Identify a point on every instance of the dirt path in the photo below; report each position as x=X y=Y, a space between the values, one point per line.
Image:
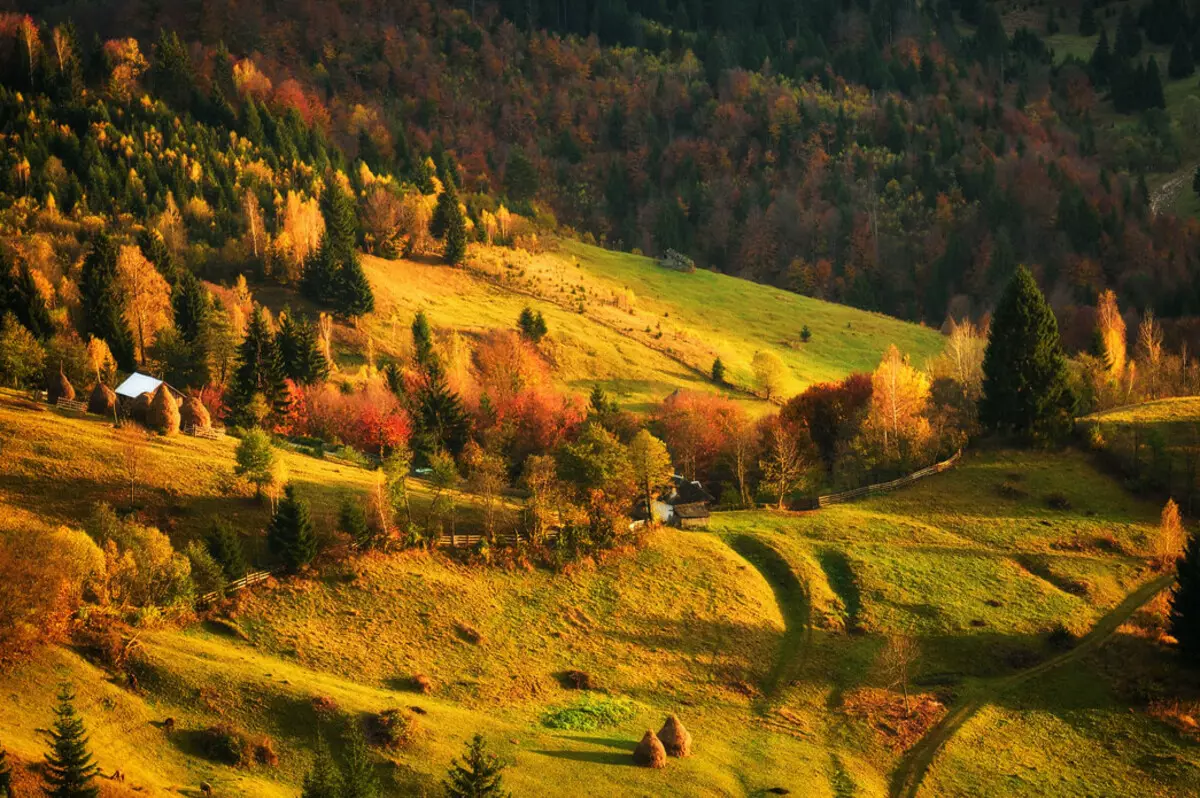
x=906 y=781
x=792 y=597
x=1166 y=193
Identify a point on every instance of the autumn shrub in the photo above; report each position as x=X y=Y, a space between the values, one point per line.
x=392 y=729
x=371 y=420
x=227 y=745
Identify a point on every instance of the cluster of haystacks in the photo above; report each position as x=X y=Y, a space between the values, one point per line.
x=163 y=412
x=103 y=400
x=672 y=740
x=194 y=415
x=58 y=387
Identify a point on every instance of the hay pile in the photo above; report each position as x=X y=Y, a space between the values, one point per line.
x=650 y=752
x=675 y=739
x=58 y=387
x=139 y=409
x=193 y=413
x=163 y=413
x=103 y=400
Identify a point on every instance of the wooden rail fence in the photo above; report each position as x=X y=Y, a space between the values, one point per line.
x=249 y=580
x=208 y=433
x=884 y=487
x=502 y=539
x=64 y=403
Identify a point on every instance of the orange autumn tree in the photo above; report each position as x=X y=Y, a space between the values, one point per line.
x=896 y=434
x=1110 y=329
x=147 y=297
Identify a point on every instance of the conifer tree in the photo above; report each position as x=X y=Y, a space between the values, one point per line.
x=19 y=295
x=1152 y=89
x=352 y=521
x=226 y=548
x=442 y=422
x=1087 y=19
x=102 y=305
x=155 y=249
x=70 y=769
x=290 y=536
x=299 y=351
x=531 y=324
x=341 y=219
x=259 y=373
x=1181 y=64
x=1025 y=388
x=477 y=774
x=1129 y=37
x=718 y=372
x=354 y=295
x=449 y=225
x=1101 y=60
x=423 y=341
x=358 y=772
x=251 y=122
x=191 y=304
x=5 y=775
x=1185 y=602
x=320 y=278
x=323 y=780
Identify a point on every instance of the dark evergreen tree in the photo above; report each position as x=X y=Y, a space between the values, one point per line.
x=477 y=774
x=341 y=219
x=259 y=374
x=1101 y=60
x=1051 y=22
x=718 y=372
x=172 y=76
x=70 y=770
x=5 y=775
x=359 y=779
x=520 y=179
x=320 y=279
x=1025 y=380
x=354 y=295
x=455 y=249
x=323 y=780
x=251 y=122
x=1129 y=37
x=442 y=422
x=299 y=349
x=290 y=536
x=333 y=275
x=156 y=251
x=531 y=324
x=423 y=342
x=1152 y=88
x=1185 y=602
x=1181 y=64
x=20 y=296
x=192 y=306
x=1087 y=19
x=352 y=521
x=226 y=548
x=102 y=305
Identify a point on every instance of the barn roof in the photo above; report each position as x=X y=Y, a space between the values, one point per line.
x=686 y=491
x=138 y=384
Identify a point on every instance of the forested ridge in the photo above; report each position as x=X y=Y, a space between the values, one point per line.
x=868 y=154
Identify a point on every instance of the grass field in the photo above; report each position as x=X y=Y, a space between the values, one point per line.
x=621 y=321
x=761 y=634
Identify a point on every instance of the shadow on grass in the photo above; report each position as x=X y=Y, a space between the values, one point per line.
x=840 y=574
x=593 y=757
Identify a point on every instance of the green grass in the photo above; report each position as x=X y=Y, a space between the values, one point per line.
x=1174 y=410
x=641 y=347
x=589 y=714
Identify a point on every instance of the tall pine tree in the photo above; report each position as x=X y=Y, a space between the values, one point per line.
x=102 y=305
x=5 y=775
x=70 y=769
x=476 y=775
x=299 y=350
x=290 y=536
x=20 y=296
x=1025 y=388
x=258 y=384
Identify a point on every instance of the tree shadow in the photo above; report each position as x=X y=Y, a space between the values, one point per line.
x=618 y=758
x=840 y=574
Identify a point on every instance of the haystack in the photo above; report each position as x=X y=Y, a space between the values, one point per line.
x=139 y=409
x=103 y=400
x=163 y=414
x=193 y=413
x=650 y=752
x=58 y=387
x=676 y=739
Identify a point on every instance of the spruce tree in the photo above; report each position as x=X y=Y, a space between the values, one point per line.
x=442 y=422
x=102 y=303
x=359 y=779
x=5 y=775
x=259 y=373
x=531 y=324
x=423 y=341
x=1129 y=37
x=226 y=548
x=1025 y=388
x=70 y=769
x=1181 y=64
x=341 y=219
x=477 y=774
x=191 y=304
x=299 y=349
x=1101 y=60
x=154 y=247
x=352 y=521
x=1185 y=602
x=354 y=295
x=319 y=282
x=449 y=224
x=20 y=296
x=1087 y=19
x=290 y=536
x=1152 y=89
x=718 y=372
x=324 y=780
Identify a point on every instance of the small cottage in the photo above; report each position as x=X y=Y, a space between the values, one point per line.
x=684 y=504
x=135 y=387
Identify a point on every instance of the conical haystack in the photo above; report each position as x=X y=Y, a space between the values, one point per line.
x=139 y=409
x=650 y=752
x=58 y=387
x=103 y=400
x=193 y=414
x=675 y=739
x=163 y=414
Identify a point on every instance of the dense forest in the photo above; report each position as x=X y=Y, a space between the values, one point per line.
x=874 y=154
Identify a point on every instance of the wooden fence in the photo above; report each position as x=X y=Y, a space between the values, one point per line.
x=502 y=539
x=884 y=487
x=249 y=580
x=208 y=433
x=64 y=403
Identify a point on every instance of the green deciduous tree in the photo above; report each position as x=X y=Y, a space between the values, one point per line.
x=70 y=770
x=1025 y=380
x=651 y=466
x=290 y=536
x=21 y=356
x=477 y=774
x=255 y=459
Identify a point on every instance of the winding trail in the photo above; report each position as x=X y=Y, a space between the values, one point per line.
x=906 y=780
x=1167 y=192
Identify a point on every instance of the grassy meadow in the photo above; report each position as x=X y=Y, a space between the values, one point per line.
x=762 y=633
x=621 y=321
